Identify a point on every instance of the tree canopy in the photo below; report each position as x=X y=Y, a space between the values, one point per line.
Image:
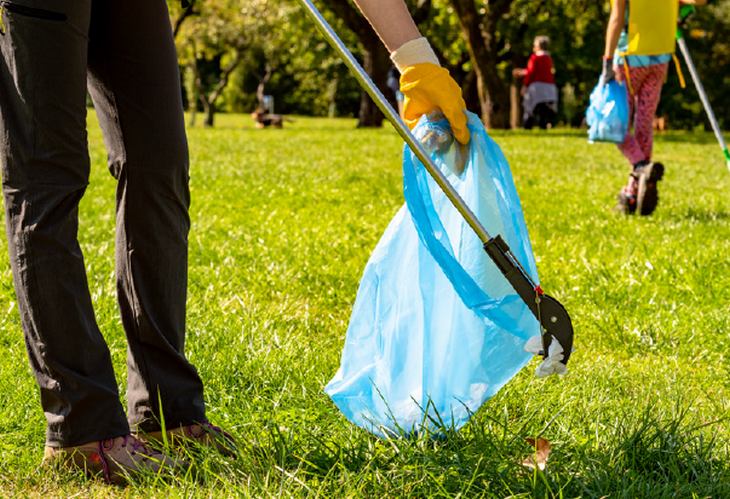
x=230 y=52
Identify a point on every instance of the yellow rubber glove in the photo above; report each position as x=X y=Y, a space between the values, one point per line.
x=427 y=87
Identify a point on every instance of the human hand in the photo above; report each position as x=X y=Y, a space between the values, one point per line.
x=618 y=73
x=607 y=73
x=428 y=87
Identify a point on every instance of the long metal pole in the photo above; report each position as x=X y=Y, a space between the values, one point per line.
x=397 y=122
x=551 y=315
x=703 y=96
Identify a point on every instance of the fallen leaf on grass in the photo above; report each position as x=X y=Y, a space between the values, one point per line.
x=540 y=456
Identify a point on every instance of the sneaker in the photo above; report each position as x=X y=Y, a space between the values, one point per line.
x=627 y=197
x=192 y=435
x=117 y=459
x=647 y=196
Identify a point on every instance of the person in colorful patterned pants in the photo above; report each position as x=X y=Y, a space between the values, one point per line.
x=643 y=67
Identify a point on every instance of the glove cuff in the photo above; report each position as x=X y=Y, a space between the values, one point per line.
x=414 y=52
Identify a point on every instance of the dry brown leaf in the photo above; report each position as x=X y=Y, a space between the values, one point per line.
x=540 y=456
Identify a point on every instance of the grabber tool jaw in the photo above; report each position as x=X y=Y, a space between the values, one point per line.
x=551 y=315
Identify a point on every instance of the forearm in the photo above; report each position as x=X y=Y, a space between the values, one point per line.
x=426 y=86
x=615 y=26
x=693 y=2
x=391 y=21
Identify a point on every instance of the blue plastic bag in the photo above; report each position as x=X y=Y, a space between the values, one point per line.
x=436 y=329
x=608 y=113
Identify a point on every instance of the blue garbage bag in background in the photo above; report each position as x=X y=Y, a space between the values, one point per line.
x=608 y=112
x=436 y=329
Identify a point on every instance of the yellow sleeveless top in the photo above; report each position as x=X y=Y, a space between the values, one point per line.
x=652 y=26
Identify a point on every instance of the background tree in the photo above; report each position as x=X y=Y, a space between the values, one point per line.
x=212 y=37
x=375 y=58
x=227 y=48
x=306 y=75
x=479 y=27
x=708 y=39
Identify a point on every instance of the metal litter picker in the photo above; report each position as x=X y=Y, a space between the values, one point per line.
x=686 y=12
x=551 y=315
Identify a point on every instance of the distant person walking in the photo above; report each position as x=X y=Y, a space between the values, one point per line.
x=640 y=42
x=540 y=95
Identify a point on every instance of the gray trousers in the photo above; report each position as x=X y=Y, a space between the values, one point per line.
x=124 y=51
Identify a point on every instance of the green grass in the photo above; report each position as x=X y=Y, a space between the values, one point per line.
x=283 y=224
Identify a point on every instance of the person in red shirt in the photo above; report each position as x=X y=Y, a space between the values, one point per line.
x=540 y=95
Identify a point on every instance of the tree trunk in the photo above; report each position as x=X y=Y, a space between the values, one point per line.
x=209 y=101
x=515 y=99
x=480 y=33
x=209 y=108
x=184 y=14
x=260 y=89
x=518 y=61
x=332 y=98
x=469 y=89
x=376 y=60
x=376 y=63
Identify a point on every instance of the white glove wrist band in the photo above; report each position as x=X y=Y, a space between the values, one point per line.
x=414 y=52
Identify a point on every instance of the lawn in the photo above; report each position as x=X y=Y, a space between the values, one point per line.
x=283 y=224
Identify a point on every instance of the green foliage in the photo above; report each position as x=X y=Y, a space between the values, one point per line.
x=707 y=41
x=311 y=76
x=212 y=37
x=307 y=77
x=441 y=27
x=283 y=224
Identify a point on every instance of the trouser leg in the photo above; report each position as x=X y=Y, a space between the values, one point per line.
x=647 y=102
x=646 y=85
x=45 y=169
x=543 y=113
x=134 y=82
x=630 y=147
x=528 y=121
x=547 y=115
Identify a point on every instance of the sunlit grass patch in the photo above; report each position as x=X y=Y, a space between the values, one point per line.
x=283 y=222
